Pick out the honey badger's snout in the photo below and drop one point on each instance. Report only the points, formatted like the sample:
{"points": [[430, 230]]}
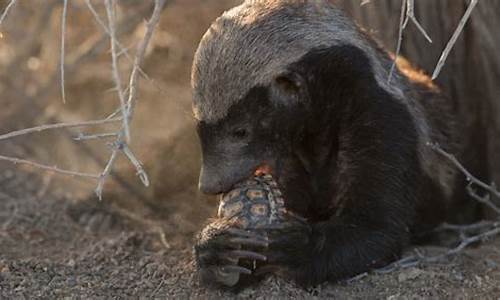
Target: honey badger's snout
{"points": [[220, 177], [211, 181]]}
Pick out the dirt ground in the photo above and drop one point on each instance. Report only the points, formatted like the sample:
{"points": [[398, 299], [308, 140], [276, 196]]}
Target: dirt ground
{"points": [[52, 246]]}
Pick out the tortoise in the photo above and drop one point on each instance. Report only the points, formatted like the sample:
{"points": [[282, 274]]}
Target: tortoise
{"points": [[256, 203]]}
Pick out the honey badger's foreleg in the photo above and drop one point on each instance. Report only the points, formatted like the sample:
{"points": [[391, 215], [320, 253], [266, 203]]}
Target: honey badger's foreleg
{"points": [[219, 249], [372, 225], [376, 180]]}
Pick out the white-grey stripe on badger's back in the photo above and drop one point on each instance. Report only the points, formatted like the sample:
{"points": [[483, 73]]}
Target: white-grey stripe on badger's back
{"points": [[251, 44]]}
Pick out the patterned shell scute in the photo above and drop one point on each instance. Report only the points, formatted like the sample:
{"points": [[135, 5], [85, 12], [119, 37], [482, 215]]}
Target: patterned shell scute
{"points": [[255, 203]]}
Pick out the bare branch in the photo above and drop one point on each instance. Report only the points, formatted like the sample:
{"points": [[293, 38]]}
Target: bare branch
{"points": [[141, 51], [105, 172], [485, 199], [466, 241], [400, 40], [63, 35], [57, 126], [468, 233], [120, 144], [464, 227], [82, 137], [410, 15], [453, 39], [137, 164], [404, 18], [114, 59], [114, 114], [6, 11], [126, 97], [55, 169], [471, 178], [123, 49]]}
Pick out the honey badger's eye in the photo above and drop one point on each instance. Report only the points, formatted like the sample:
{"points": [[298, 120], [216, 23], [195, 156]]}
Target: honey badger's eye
{"points": [[239, 133]]}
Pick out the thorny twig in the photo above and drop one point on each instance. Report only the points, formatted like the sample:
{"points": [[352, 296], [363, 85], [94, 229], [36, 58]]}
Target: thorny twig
{"points": [[132, 97], [127, 107], [470, 178], [123, 49], [141, 51], [106, 171], [468, 233], [62, 55], [410, 15], [82, 137], [400, 39], [406, 15], [114, 59], [58, 126], [453, 39], [419, 257], [55, 169], [6, 11]]}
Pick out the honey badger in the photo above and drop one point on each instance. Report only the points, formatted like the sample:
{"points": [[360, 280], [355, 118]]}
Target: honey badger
{"points": [[296, 86]]}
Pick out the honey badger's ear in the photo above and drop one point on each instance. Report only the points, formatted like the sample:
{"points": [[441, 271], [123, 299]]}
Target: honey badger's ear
{"points": [[287, 89]]}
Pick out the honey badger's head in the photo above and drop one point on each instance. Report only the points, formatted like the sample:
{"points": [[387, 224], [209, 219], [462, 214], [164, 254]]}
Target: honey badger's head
{"points": [[256, 86]]}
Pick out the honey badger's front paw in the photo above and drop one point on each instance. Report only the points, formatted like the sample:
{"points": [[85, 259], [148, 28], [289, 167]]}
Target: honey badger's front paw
{"points": [[289, 249], [219, 255]]}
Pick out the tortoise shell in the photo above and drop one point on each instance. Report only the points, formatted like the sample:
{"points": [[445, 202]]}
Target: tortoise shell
{"points": [[254, 203]]}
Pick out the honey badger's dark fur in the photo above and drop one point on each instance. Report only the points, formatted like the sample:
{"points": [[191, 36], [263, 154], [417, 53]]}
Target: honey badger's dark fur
{"points": [[296, 85]]}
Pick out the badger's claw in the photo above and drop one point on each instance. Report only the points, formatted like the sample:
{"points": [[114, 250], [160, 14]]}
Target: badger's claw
{"points": [[235, 269], [252, 242], [247, 255], [223, 253], [289, 249], [246, 234]]}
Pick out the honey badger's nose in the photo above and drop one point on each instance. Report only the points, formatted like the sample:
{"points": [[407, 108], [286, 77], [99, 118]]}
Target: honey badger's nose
{"points": [[211, 188], [209, 183]]}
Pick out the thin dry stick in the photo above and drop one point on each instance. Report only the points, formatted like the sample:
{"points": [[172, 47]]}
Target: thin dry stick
{"points": [[83, 137], [63, 35], [150, 26], [405, 17], [120, 144], [123, 49], [464, 227], [114, 114], [465, 241], [114, 66], [410, 15], [486, 229], [57, 126], [55, 169], [6, 11], [105, 172], [400, 39], [137, 164], [485, 200], [453, 39], [471, 178]]}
